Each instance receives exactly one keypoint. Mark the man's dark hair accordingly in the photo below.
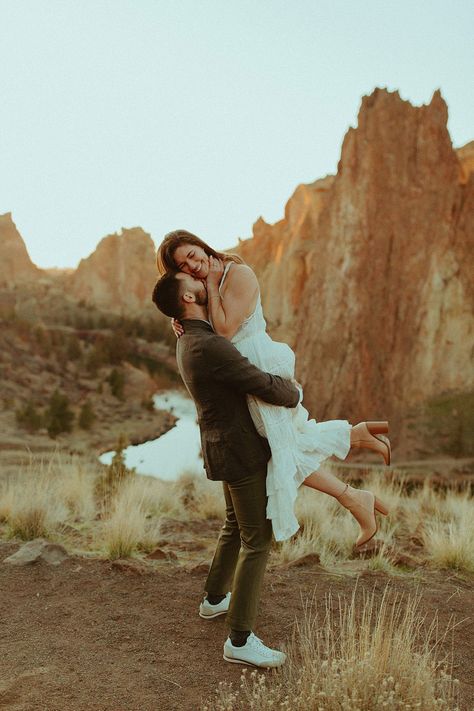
(167, 296)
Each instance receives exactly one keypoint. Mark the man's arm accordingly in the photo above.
(227, 365)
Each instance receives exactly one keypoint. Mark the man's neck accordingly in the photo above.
(197, 313)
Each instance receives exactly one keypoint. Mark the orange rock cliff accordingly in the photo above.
(369, 273)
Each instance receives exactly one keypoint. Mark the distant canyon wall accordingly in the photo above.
(117, 277)
(120, 274)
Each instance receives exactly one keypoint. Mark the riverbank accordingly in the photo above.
(130, 419)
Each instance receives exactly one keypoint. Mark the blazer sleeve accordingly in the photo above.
(225, 364)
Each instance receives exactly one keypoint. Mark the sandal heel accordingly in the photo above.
(388, 456)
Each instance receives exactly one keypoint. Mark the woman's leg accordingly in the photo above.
(360, 503)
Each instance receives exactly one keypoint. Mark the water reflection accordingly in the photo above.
(174, 452)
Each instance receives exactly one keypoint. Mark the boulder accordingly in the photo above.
(38, 550)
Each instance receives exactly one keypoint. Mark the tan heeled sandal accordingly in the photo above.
(377, 430)
(363, 504)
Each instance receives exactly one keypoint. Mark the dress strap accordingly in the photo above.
(226, 271)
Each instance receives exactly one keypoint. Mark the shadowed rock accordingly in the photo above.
(38, 550)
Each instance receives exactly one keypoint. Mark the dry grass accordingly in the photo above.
(31, 506)
(449, 534)
(126, 528)
(57, 497)
(53, 496)
(359, 654)
(438, 526)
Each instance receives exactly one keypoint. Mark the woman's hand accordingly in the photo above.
(216, 270)
(177, 327)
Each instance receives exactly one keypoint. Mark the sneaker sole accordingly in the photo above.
(214, 614)
(241, 661)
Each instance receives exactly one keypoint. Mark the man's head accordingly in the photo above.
(180, 295)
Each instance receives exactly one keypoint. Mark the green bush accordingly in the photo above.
(116, 474)
(116, 381)
(58, 416)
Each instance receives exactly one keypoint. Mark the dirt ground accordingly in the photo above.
(91, 635)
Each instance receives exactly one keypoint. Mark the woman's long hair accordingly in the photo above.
(171, 241)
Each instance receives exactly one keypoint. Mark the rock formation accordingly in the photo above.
(369, 274)
(466, 159)
(16, 265)
(120, 274)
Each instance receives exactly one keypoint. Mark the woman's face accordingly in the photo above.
(191, 259)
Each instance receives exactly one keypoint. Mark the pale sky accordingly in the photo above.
(201, 114)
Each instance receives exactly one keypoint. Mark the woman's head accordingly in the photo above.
(181, 250)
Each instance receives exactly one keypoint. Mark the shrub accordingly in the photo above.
(58, 416)
(116, 381)
(116, 474)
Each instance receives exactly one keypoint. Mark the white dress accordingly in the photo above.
(298, 445)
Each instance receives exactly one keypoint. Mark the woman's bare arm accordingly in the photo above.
(238, 299)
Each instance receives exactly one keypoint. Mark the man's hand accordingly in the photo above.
(299, 387)
(177, 327)
(216, 270)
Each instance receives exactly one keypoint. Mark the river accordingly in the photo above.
(173, 453)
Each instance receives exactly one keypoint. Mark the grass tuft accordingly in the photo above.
(363, 653)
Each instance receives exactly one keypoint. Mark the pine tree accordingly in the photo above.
(116, 381)
(59, 417)
(116, 474)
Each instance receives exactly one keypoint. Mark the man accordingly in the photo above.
(219, 378)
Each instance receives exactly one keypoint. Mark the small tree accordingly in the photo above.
(86, 416)
(59, 417)
(116, 473)
(116, 381)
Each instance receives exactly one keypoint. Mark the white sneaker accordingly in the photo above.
(208, 611)
(253, 652)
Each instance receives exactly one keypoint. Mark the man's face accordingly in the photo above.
(194, 290)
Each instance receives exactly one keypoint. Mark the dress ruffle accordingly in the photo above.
(299, 445)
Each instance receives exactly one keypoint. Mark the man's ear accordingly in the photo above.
(188, 297)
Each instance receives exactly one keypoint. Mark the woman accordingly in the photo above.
(298, 445)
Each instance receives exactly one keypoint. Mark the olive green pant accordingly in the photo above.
(242, 549)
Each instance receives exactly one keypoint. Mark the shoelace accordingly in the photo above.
(258, 644)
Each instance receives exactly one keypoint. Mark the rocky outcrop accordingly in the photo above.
(38, 550)
(369, 273)
(280, 252)
(16, 265)
(466, 160)
(120, 274)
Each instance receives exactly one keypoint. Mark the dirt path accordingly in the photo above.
(88, 636)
